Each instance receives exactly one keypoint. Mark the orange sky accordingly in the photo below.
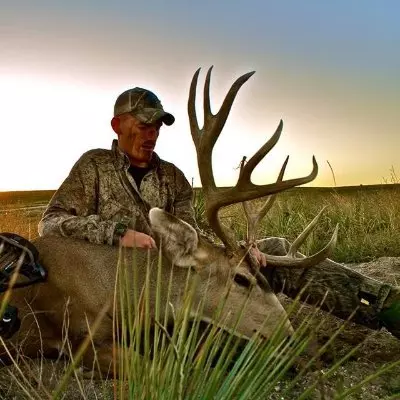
(330, 71)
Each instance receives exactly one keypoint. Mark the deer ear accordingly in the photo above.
(178, 239)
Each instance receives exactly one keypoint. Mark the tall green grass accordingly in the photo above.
(166, 353)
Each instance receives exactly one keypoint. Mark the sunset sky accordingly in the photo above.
(330, 70)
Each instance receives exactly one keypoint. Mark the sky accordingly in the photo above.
(330, 70)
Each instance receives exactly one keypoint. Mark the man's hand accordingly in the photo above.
(259, 256)
(137, 239)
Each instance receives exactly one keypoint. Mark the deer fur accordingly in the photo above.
(82, 278)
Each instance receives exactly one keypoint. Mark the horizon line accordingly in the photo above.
(373, 185)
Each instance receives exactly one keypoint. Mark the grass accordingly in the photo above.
(182, 364)
(189, 362)
(368, 218)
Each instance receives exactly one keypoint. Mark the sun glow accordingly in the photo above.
(48, 124)
(44, 123)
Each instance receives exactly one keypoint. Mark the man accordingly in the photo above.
(108, 194)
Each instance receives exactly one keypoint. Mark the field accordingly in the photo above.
(20, 212)
(369, 237)
(368, 218)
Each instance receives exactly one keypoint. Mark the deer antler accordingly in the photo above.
(254, 217)
(205, 139)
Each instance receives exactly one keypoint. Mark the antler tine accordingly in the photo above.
(254, 217)
(222, 114)
(304, 235)
(194, 125)
(200, 137)
(245, 173)
(290, 261)
(206, 103)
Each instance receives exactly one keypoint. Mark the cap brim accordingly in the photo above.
(168, 119)
(149, 116)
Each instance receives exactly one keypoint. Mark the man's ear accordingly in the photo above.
(115, 124)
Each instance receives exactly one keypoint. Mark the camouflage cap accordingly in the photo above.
(144, 105)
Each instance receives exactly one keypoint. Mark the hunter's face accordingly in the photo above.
(137, 139)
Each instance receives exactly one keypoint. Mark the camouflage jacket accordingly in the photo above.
(99, 193)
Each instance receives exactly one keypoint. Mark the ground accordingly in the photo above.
(377, 349)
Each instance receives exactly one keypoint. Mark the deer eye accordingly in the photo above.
(242, 280)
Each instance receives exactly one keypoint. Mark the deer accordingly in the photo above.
(82, 276)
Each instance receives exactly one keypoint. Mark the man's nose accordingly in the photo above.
(151, 132)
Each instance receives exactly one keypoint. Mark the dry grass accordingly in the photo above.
(20, 212)
(369, 220)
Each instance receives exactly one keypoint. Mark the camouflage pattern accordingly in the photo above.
(142, 104)
(341, 289)
(100, 193)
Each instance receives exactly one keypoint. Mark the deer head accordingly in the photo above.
(219, 280)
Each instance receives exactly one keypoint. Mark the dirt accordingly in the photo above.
(377, 349)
